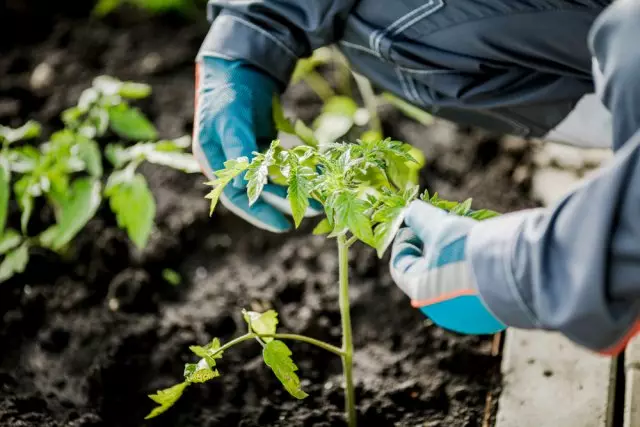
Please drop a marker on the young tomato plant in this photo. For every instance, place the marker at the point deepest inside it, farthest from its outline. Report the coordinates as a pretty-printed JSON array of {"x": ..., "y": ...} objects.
[
  {"x": 67, "y": 172},
  {"x": 364, "y": 190}
]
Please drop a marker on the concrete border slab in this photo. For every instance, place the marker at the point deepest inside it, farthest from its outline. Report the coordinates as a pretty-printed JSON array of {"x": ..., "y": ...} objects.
[{"x": 550, "y": 382}]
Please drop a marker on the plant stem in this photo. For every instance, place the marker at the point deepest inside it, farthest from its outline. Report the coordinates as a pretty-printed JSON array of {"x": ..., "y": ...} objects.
[
  {"x": 319, "y": 85},
  {"x": 370, "y": 101},
  {"x": 347, "y": 341},
  {"x": 294, "y": 337}
]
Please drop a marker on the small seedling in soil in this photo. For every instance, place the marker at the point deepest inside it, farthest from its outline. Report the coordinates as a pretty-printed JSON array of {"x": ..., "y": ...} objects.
[
  {"x": 67, "y": 172},
  {"x": 364, "y": 190}
]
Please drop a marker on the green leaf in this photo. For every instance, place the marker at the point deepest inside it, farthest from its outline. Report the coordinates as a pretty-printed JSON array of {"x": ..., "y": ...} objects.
[
  {"x": 462, "y": 208},
  {"x": 14, "y": 262},
  {"x": 330, "y": 127},
  {"x": 385, "y": 232},
  {"x": 298, "y": 192},
  {"x": 26, "y": 205},
  {"x": 77, "y": 209},
  {"x": 342, "y": 105},
  {"x": 171, "y": 276},
  {"x": 5, "y": 192},
  {"x": 483, "y": 214},
  {"x": 24, "y": 159},
  {"x": 350, "y": 213},
  {"x": 133, "y": 90},
  {"x": 71, "y": 116},
  {"x": 209, "y": 352},
  {"x": 104, "y": 7},
  {"x": 9, "y": 240},
  {"x": 131, "y": 124},
  {"x": 29, "y": 130},
  {"x": 262, "y": 323},
  {"x": 258, "y": 172},
  {"x": 199, "y": 373},
  {"x": 276, "y": 355},
  {"x": 89, "y": 153},
  {"x": 166, "y": 398},
  {"x": 134, "y": 207},
  {"x": 232, "y": 168},
  {"x": 107, "y": 85},
  {"x": 323, "y": 227}
]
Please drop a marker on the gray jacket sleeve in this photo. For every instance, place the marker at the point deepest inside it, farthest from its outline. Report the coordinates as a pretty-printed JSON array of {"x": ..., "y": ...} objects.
[
  {"x": 575, "y": 268},
  {"x": 273, "y": 34}
]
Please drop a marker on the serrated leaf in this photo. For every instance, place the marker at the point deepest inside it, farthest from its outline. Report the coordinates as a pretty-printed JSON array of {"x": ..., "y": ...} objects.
[
  {"x": 166, "y": 398},
  {"x": 258, "y": 172},
  {"x": 5, "y": 192},
  {"x": 133, "y": 90},
  {"x": 385, "y": 232},
  {"x": 350, "y": 213},
  {"x": 298, "y": 192},
  {"x": 9, "y": 240},
  {"x": 262, "y": 323},
  {"x": 232, "y": 168},
  {"x": 14, "y": 262},
  {"x": 277, "y": 356},
  {"x": 131, "y": 124},
  {"x": 89, "y": 153},
  {"x": 462, "y": 208},
  {"x": 209, "y": 352},
  {"x": 323, "y": 227},
  {"x": 29, "y": 130},
  {"x": 77, "y": 209},
  {"x": 134, "y": 207}
]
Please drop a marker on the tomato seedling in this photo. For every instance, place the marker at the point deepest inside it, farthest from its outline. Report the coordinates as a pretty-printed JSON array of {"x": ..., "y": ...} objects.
[
  {"x": 364, "y": 190},
  {"x": 67, "y": 171}
]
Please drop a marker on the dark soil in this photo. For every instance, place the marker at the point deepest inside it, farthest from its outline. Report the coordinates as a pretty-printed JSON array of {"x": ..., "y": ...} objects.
[{"x": 83, "y": 341}]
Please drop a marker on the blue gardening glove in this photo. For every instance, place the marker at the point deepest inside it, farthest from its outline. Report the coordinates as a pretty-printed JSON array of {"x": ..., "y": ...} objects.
[
  {"x": 429, "y": 263},
  {"x": 233, "y": 118}
]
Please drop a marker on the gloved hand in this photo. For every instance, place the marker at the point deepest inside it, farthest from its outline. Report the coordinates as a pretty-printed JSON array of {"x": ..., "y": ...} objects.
[
  {"x": 233, "y": 118},
  {"x": 428, "y": 262}
]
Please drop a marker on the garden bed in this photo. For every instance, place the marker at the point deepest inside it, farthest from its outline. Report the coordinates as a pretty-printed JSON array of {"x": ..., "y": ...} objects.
[{"x": 83, "y": 341}]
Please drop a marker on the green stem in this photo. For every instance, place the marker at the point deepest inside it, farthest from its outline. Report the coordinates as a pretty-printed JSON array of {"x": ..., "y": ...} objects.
[
  {"x": 294, "y": 337},
  {"x": 319, "y": 85},
  {"x": 370, "y": 101},
  {"x": 347, "y": 341},
  {"x": 351, "y": 241}
]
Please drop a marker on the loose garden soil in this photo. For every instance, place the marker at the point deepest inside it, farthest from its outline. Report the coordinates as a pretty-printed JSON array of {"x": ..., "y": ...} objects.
[{"x": 83, "y": 340}]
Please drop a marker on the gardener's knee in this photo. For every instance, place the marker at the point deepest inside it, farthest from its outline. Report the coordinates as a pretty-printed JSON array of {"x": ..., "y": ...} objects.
[{"x": 614, "y": 42}]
